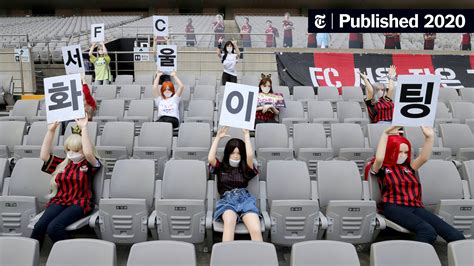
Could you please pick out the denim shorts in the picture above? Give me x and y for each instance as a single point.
(238, 200)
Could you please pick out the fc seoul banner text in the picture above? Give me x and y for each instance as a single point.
(342, 69)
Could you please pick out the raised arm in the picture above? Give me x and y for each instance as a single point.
(248, 148)
(87, 146)
(369, 90)
(236, 48)
(48, 141)
(221, 133)
(382, 147)
(426, 148)
(91, 50)
(392, 73)
(219, 48)
(104, 48)
(156, 91)
(180, 90)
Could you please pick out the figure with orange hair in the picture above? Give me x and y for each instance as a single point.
(401, 190)
(167, 99)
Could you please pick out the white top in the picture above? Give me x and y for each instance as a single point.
(168, 107)
(229, 64)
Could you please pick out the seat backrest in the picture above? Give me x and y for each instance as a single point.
(19, 251)
(348, 110)
(16, 130)
(188, 79)
(281, 187)
(283, 90)
(352, 93)
(91, 128)
(37, 132)
(118, 134)
(293, 109)
(309, 136)
(115, 107)
(462, 110)
(148, 92)
(251, 80)
(319, 109)
(456, 136)
(448, 94)
(233, 133)
(105, 91)
(156, 134)
(303, 93)
(133, 178)
(323, 252)
(403, 252)
(206, 92)
(327, 93)
(460, 252)
(141, 108)
(27, 179)
(194, 135)
(206, 80)
(27, 108)
(442, 111)
(278, 132)
(244, 252)
(184, 179)
(124, 80)
(130, 91)
(374, 132)
(439, 180)
(201, 108)
(467, 94)
(467, 173)
(338, 180)
(143, 79)
(162, 252)
(416, 138)
(99, 252)
(346, 135)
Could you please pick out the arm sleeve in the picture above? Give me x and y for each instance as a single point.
(93, 59)
(216, 169)
(50, 166)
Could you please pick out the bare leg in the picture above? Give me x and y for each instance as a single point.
(252, 222)
(230, 220)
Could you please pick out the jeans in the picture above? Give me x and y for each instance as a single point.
(238, 200)
(55, 220)
(425, 224)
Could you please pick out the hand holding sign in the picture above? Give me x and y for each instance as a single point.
(239, 106)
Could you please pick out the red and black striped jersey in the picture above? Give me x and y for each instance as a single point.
(381, 110)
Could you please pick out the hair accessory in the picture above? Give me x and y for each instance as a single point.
(76, 130)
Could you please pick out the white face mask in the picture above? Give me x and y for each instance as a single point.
(229, 49)
(380, 93)
(401, 159)
(75, 157)
(265, 89)
(234, 163)
(168, 94)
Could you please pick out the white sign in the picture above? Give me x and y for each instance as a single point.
(416, 98)
(160, 26)
(167, 58)
(63, 98)
(72, 56)
(24, 54)
(141, 54)
(97, 33)
(239, 106)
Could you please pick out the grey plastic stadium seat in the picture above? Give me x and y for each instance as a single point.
(204, 92)
(148, 92)
(16, 131)
(351, 112)
(129, 93)
(4, 171)
(154, 143)
(110, 110)
(463, 111)
(283, 90)
(324, 252)
(139, 112)
(162, 252)
(143, 79)
(180, 202)
(460, 253)
(268, 148)
(206, 80)
(116, 143)
(321, 112)
(188, 79)
(443, 116)
(460, 139)
(351, 214)
(23, 110)
(310, 145)
(416, 137)
(76, 252)
(19, 251)
(123, 212)
(292, 114)
(467, 174)
(244, 252)
(443, 194)
(23, 197)
(348, 143)
(200, 111)
(251, 80)
(292, 203)
(121, 80)
(34, 140)
(328, 93)
(403, 252)
(105, 92)
(374, 132)
(448, 94)
(351, 93)
(304, 94)
(193, 142)
(467, 94)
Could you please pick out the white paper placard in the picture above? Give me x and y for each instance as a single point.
(63, 98)
(72, 56)
(167, 58)
(97, 33)
(239, 106)
(160, 26)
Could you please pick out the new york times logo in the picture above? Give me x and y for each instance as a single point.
(391, 20)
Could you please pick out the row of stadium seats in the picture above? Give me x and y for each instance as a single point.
(242, 252)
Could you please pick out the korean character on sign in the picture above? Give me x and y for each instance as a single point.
(76, 55)
(59, 95)
(167, 57)
(411, 93)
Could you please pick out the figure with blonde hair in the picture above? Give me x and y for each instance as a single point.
(71, 182)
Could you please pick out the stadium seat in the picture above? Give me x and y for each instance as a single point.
(23, 110)
(303, 94)
(467, 174)
(4, 171)
(121, 80)
(116, 143)
(129, 93)
(292, 114)
(82, 252)
(23, 197)
(443, 194)
(19, 251)
(16, 131)
(293, 203)
(244, 253)
(448, 94)
(189, 80)
(416, 138)
(350, 112)
(180, 202)
(268, 148)
(154, 143)
(148, 92)
(110, 110)
(251, 80)
(310, 145)
(194, 141)
(467, 94)
(460, 253)
(162, 252)
(403, 252)
(283, 90)
(345, 202)
(32, 146)
(206, 80)
(374, 131)
(322, 113)
(353, 94)
(443, 116)
(464, 112)
(328, 93)
(460, 139)
(143, 79)
(126, 203)
(200, 111)
(348, 143)
(139, 112)
(204, 92)
(327, 252)
(105, 92)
